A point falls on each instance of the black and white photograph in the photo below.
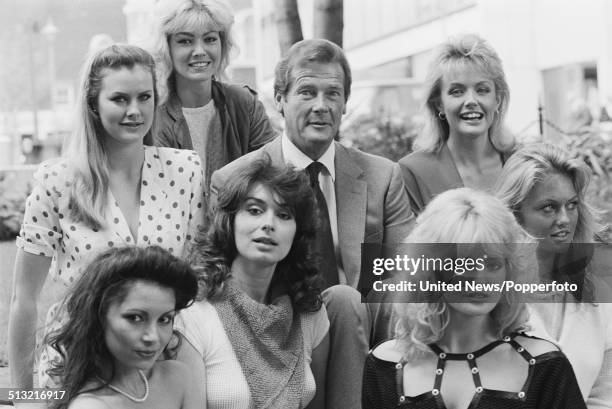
(306, 204)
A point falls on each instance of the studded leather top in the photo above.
(550, 382)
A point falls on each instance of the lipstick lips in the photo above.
(199, 64)
(472, 115)
(265, 240)
(147, 354)
(560, 235)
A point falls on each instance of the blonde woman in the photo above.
(467, 349)
(463, 143)
(199, 110)
(546, 188)
(108, 190)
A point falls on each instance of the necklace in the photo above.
(127, 395)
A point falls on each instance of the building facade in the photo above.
(557, 55)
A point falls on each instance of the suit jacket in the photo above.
(427, 174)
(371, 201)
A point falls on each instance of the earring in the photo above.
(442, 116)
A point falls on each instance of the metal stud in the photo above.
(470, 356)
(506, 338)
(435, 392)
(442, 355)
(532, 361)
(521, 394)
(520, 349)
(479, 389)
(402, 398)
(474, 370)
(398, 366)
(439, 371)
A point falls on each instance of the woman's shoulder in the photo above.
(536, 346)
(172, 158)
(240, 92)
(88, 401)
(172, 370)
(419, 159)
(387, 351)
(54, 171)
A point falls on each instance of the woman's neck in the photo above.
(125, 161)
(470, 151)
(128, 379)
(253, 279)
(465, 333)
(193, 94)
(546, 263)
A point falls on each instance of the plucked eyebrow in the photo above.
(480, 83)
(146, 313)
(185, 33)
(555, 200)
(260, 202)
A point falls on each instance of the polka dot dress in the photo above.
(171, 207)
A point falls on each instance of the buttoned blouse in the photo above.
(171, 203)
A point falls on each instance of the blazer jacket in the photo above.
(371, 201)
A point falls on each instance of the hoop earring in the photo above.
(442, 116)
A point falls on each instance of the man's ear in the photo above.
(278, 102)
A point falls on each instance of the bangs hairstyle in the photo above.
(106, 281)
(466, 216)
(215, 248)
(306, 52)
(85, 149)
(175, 16)
(530, 165)
(463, 53)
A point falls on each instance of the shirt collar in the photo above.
(293, 155)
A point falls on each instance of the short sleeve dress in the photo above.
(171, 206)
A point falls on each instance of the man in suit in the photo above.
(364, 196)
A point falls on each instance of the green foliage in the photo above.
(388, 136)
(12, 206)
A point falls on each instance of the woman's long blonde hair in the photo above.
(468, 51)
(466, 216)
(173, 16)
(85, 147)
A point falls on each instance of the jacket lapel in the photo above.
(351, 207)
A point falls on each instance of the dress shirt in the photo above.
(294, 156)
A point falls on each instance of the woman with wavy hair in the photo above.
(108, 190)
(263, 324)
(463, 142)
(466, 348)
(546, 189)
(199, 110)
(121, 314)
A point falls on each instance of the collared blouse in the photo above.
(171, 205)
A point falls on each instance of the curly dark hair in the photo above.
(215, 247)
(107, 280)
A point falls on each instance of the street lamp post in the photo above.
(49, 30)
(34, 29)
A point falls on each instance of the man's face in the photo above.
(313, 106)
